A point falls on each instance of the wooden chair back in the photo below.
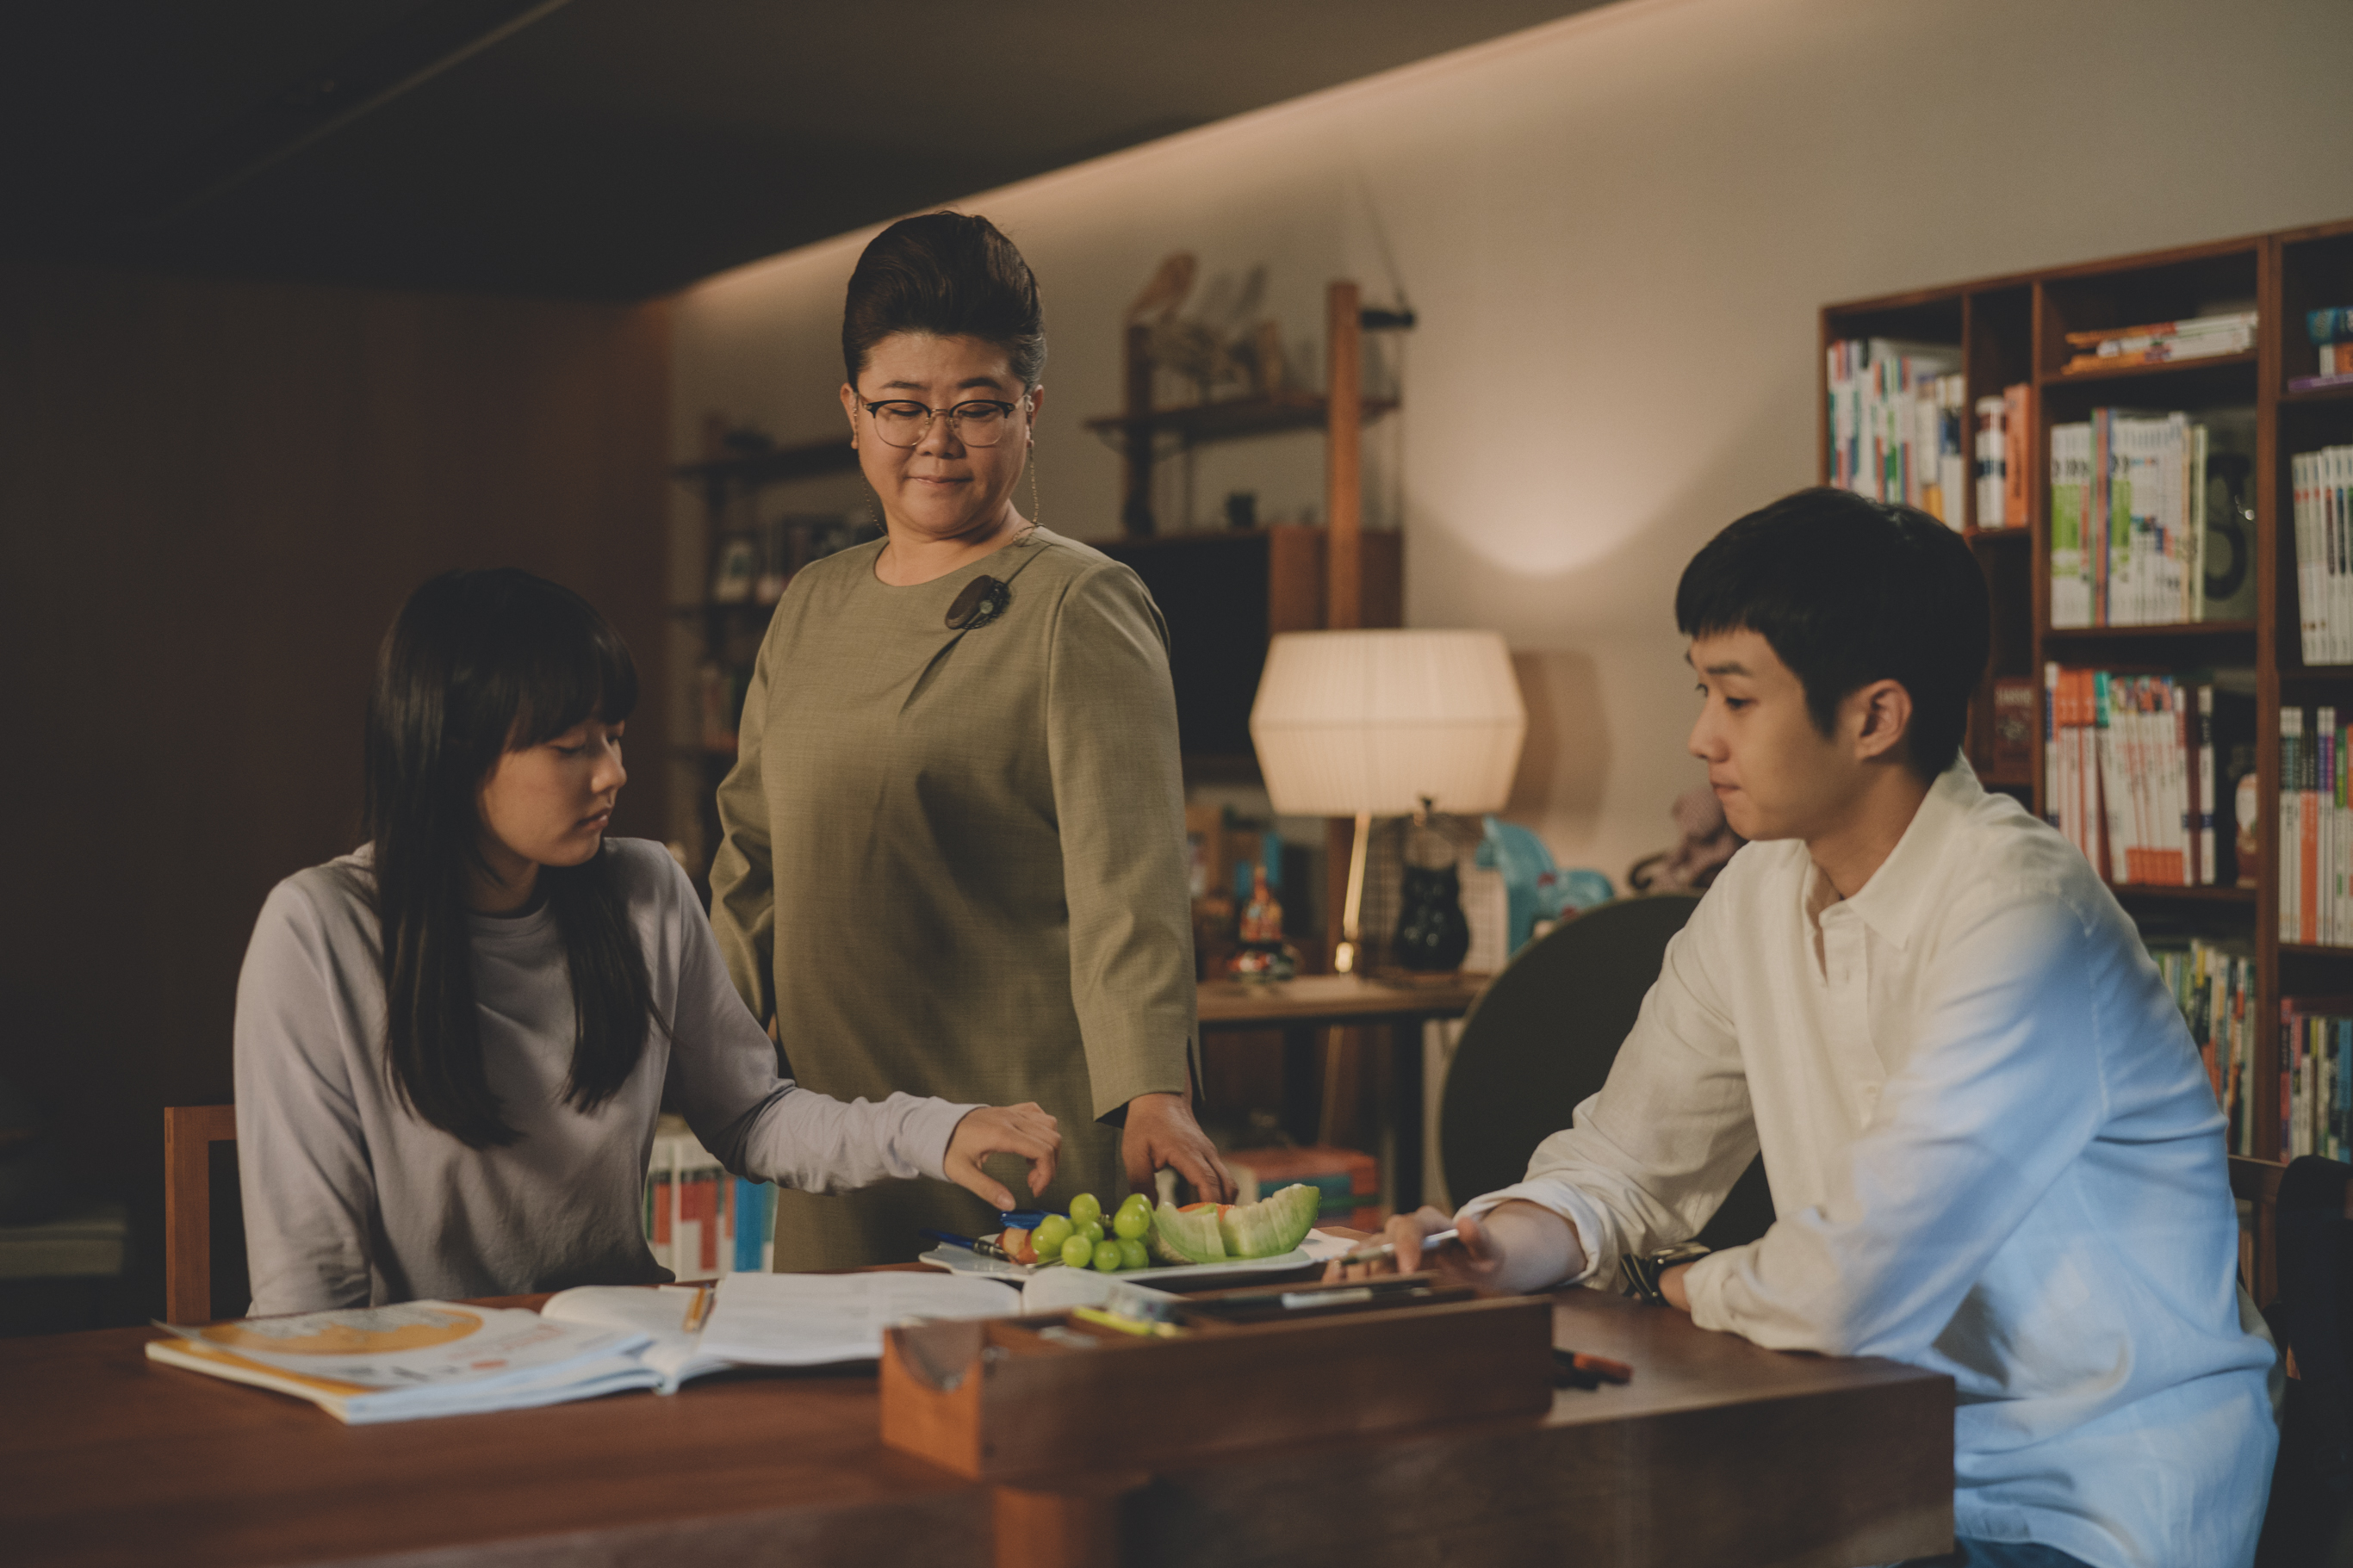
(190, 1131)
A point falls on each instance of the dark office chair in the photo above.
(2312, 1486)
(1540, 1042)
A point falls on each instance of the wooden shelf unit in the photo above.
(2012, 329)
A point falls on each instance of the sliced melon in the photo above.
(1188, 1235)
(1273, 1225)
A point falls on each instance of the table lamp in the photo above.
(1366, 723)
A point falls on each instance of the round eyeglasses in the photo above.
(977, 422)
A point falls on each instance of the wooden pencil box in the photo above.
(1009, 1396)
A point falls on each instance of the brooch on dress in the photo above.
(983, 600)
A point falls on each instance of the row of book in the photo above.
(2129, 524)
(2157, 342)
(2315, 833)
(2129, 774)
(2323, 486)
(2331, 331)
(701, 1222)
(2316, 1079)
(2214, 984)
(1898, 418)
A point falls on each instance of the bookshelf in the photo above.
(725, 632)
(2012, 329)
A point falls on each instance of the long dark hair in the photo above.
(479, 664)
(953, 275)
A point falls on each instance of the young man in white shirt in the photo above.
(1992, 1148)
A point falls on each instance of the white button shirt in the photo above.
(1993, 1153)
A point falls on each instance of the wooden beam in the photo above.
(1342, 456)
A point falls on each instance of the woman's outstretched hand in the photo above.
(1161, 1132)
(1022, 1130)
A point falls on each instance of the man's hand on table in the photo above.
(1518, 1248)
(1161, 1132)
(1024, 1130)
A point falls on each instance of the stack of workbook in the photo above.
(2214, 984)
(365, 1365)
(2323, 486)
(2316, 1088)
(2129, 774)
(2198, 337)
(1897, 411)
(2128, 520)
(701, 1222)
(2315, 833)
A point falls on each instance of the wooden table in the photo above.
(1299, 1008)
(1718, 1453)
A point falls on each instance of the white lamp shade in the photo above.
(1374, 720)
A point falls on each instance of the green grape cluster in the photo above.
(1080, 1240)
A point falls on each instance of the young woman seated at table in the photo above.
(452, 1043)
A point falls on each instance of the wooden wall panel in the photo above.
(213, 498)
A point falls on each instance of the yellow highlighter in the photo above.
(1142, 1330)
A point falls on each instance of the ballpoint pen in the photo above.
(985, 1248)
(1388, 1248)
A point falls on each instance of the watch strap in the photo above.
(1640, 1270)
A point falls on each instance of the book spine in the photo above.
(2289, 1047)
(2017, 453)
(2051, 770)
(2339, 513)
(2342, 1090)
(2113, 788)
(2307, 833)
(2302, 474)
(2325, 793)
(2209, 866)
(2291, 730)
(2066, 539)
(2091, 802)
(2183, 816)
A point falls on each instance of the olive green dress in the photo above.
(953, 863)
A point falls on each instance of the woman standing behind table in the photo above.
(953, 846)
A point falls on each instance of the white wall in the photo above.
(1616, 231)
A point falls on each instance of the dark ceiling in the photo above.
(611, 149)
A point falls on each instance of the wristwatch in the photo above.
(1640, 1270)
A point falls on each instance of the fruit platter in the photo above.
(1167, 1242)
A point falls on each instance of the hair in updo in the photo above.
(950, 275)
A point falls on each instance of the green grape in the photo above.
(1093, 1230)
(1132, 1253)
(1138, 1201)
(1050, 1234)
(1131, 1224)
(1107, 1256)
(1078, 1252)
(1083, 1208)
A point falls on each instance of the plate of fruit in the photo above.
(1165, 1242)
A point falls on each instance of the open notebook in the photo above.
(777, 1320)
(367, 1364)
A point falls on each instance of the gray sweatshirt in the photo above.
(350, 1200)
